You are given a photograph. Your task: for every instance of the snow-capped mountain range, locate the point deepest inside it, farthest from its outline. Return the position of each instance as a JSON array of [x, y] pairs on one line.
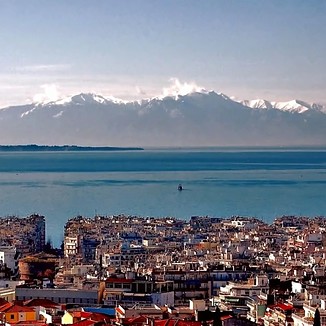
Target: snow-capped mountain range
[[201, 118], [296, 106]]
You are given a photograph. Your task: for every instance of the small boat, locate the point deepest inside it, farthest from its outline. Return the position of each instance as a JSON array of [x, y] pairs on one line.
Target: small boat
[[180, 187]]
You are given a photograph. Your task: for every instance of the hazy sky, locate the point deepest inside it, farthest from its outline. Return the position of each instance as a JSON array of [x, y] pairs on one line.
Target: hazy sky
[[131, 49]]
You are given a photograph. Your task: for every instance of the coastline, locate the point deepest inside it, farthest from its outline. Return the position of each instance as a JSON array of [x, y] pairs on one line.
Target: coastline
[[60, 148]]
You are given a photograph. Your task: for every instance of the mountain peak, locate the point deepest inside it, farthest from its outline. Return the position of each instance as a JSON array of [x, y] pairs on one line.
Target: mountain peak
[[292, 106], [84, 98], [257, 104], [88, 98]]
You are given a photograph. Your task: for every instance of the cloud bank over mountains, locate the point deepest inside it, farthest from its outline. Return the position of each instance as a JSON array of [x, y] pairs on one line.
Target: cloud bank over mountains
[[184, 115]]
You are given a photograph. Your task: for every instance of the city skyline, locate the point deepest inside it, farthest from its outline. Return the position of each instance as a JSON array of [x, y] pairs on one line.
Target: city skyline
[[140, 49]]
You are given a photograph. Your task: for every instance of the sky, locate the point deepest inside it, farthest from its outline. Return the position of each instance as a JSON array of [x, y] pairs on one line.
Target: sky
[[134, 49]]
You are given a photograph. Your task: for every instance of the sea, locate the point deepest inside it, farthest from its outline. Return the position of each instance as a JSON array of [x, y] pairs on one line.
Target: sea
[[217, 182]]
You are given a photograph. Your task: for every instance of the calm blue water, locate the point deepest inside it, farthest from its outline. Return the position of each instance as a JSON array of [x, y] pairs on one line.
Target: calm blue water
[[220, 182]]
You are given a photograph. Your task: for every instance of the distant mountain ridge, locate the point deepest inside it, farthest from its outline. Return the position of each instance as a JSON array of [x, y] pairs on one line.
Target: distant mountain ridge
[[204, 118], [290, 106]]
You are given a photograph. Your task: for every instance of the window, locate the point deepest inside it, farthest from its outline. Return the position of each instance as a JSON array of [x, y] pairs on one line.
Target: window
[[12, 316]]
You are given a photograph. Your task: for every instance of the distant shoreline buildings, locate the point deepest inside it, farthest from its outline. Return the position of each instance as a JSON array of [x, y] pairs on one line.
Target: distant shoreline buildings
[[63, 148]]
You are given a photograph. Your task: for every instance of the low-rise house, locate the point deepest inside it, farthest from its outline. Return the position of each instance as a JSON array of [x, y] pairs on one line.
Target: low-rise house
[[72, 317], [83, 318], [13, 313], [45, 309]]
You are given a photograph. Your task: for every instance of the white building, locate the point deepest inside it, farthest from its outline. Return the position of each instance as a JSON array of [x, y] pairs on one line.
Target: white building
[[252, 288], [9, 257]]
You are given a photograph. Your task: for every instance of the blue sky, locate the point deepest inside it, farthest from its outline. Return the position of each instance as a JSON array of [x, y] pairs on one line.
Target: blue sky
[[131, 49]]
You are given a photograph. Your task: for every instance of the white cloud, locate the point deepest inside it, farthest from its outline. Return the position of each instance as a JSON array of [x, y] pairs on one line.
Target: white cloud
[[50, 93], [177, 88], [43, 68]]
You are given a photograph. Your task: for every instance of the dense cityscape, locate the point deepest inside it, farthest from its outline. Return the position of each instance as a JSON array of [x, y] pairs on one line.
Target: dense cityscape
[[131, 270], [162, 163]]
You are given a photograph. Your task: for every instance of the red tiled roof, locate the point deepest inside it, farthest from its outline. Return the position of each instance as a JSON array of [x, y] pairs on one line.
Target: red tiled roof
[[85, 314], [96, 316], [284, 306], [46, 303], [81, 314], [84, 323], [134, 320], [12, 307]]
